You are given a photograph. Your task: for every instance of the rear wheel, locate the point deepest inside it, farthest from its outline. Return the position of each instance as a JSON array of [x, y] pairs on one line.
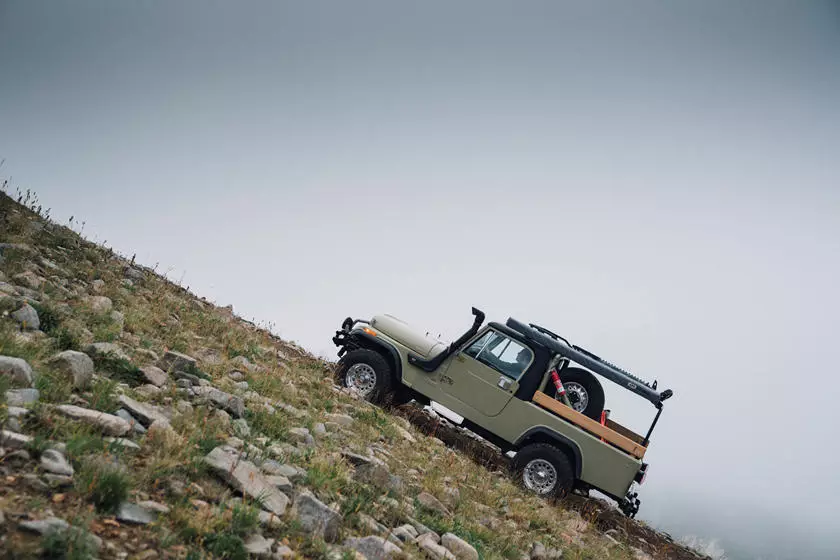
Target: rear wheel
[[544, 470], [585, 393], [366, 373]]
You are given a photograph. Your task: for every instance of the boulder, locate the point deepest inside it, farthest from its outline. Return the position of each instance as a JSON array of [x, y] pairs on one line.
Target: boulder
[[16, 369], [232, 404], [340, 419], [427, 542], [100, 304], [109, 424], [459, 547], [245, 477], [147, 414], [430, 502], [22, 397], [13, 440], [174, 361], [56, 525], [78, 365], [135, 514], [54, 462], [106, 349], [259, 546], [315, 517], [301, 435], [135, 424], [373, 547], [27, 317], [29, 279]]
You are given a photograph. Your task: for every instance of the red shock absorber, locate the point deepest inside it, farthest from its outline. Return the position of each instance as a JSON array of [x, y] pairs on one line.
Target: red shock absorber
[[558, 384]]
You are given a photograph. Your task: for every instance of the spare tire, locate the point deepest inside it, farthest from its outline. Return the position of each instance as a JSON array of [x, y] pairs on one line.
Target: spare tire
[[584, 391]]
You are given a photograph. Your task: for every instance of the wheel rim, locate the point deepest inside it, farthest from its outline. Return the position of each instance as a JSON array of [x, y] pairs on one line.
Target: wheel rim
[[578, 395], [540, 476], [361, 378]]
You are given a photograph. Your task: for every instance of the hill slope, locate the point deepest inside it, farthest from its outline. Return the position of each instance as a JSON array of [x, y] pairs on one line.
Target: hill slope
[[140, 421]]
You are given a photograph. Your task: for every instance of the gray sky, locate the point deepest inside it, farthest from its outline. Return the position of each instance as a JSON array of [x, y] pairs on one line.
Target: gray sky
[[659, 182]]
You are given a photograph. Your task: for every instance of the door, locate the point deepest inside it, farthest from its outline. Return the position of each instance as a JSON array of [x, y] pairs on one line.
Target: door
[[485, 375]]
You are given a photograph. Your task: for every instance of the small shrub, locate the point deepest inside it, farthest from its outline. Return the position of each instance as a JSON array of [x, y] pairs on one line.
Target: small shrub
[[53, 386], [68, 544], [225, 545], [120, 369], [49, 318], [244, 519], [105, 485], [103, 397], [65, 339]]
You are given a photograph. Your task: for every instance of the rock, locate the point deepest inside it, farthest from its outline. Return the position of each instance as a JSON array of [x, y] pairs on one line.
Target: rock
[[372, 473], [259, 546], [18, 457], [371, 525], [241, 385], [13, 440], [232, 404], [281, 483], [405, 434], [16, 369], [301, 435], [451, 497], [27, 317], [75, 364], [340, 419], [427, 542], [209, 356], [405, 533], [373, 547], [459, 547], [155, 375], [109, 424], [236, 376], [106, 349], [183, 407], [175, 361], [315, 517], [155, 507], [283, 552], [148, 390], [29, 279], [135, 514], [54, 462], [244, 362], [319, 429], [355, 459], [162, 430], [268, 519], [58, 481], [430, 502], [133, 273], [145, 413], [97, 285], [100, 304], [117, 318], [244, 476], [240, 428], [56, 525], [135, 424], [123, 443], [33, 482], [22, 397]]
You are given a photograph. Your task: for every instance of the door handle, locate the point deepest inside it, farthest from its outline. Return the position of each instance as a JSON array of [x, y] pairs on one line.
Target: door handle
[[504, 382]]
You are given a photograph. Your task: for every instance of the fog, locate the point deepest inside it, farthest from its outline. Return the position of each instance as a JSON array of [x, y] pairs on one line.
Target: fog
[[658, 182]]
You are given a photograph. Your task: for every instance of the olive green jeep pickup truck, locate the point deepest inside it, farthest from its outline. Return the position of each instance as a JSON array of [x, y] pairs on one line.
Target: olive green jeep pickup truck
[[519, 386]]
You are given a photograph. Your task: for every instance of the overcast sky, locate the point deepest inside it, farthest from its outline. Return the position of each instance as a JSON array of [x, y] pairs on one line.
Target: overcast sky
[[659, 182]]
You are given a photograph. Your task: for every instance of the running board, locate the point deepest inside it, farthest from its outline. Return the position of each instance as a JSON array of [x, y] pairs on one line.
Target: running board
[[450, 415]]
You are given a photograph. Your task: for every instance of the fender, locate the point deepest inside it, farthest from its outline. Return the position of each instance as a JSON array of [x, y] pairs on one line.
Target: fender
[[373, 342], [540, 433]]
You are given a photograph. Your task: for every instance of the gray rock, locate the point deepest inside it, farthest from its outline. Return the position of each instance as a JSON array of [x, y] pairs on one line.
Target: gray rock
[[372, 473], [315, 517], [135, 514], [54, 462], [268, 519], [430, 502], [373, 547], [123, 443], [13, 440], [58, 480], [16, 369], [97, 285], [301, 435], [283, 552], [459, 547], [232, 404], [244, 476], [134, 274], [259, 546], [241, 385], [147, 414], [148, 390], [244, 362], [75, 364], [155, 507], [109, 424], [422, 529], [155, 375], [184, 384], [100, 304], [236, 375], [174, 361], [18, 457], [27, 317], [240, 428], [135, 424], [340, 419], [117, 318], [451, 496], [17, 412], [22, 397], [355, 459], [405, 533], [281, 483], [319, 429], [56, 525], [105, 349], [427, 542]]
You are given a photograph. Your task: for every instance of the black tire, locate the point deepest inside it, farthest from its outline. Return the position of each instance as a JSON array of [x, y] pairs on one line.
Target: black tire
[[594, 391], [381, 390], [564, 479]]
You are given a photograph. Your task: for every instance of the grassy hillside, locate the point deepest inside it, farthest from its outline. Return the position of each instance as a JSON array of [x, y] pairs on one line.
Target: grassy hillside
[[162, 426]]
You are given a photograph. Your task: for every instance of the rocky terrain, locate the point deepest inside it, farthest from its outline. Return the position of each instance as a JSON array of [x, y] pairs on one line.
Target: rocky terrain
[[141, 421]]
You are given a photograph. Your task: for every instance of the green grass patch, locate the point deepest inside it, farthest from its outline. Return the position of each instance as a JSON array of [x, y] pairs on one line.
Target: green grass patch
[[103, 484], [103, 396], [73, 543]]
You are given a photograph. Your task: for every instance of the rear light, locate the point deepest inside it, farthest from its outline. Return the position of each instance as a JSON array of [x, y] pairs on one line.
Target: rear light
[[641, 476]]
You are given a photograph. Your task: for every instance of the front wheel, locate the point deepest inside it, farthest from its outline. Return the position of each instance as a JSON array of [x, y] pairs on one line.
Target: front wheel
[[366, 373], [544, 470]]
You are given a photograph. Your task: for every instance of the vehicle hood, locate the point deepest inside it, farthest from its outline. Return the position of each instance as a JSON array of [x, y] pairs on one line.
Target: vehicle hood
[[408, 336]]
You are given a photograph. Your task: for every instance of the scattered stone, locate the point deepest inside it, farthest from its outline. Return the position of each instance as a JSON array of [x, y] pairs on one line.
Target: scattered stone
[[117, 318], [22, 397], [281, 483], [405, 533], [405, 434], [109, 424], [76, 364], [319, 429], [20, 456], [430, 502], [135, 424], [105, 349], [155, 375], [340, 419], [301, 435], [175, 361], [183, 407], [123, 443], [244, 476], [283, 552], [58, 481], [135, 514], [268, 519], [133, 273], [241, 385], [29, 279], [97, 285], [451, 497], [244, 362], [371, 525], [241, 428], [259, 546], [17, 369], [54, 462], [372, 473], [232, 404], [373, 547], [34, 483], [13, 440], [145, 413], [315, 517], [427, 542], [148, 390], [54, 524], [236, 375], [162, 430], [209, 356], [355, 459], [27, 317], [459, 547], [100, 304]]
